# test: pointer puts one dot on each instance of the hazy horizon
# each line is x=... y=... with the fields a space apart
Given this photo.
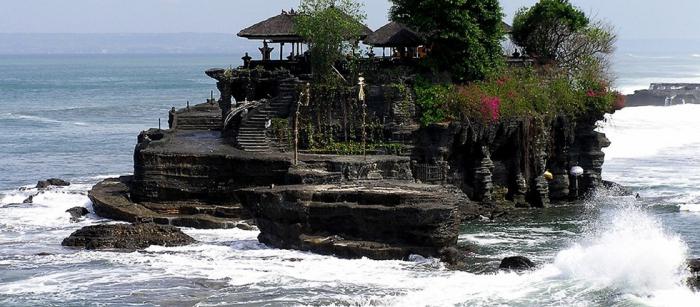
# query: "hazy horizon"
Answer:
x=209 y=26
x=646 y=19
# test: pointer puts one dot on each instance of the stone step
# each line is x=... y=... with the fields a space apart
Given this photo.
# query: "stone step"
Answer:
x=259 y=139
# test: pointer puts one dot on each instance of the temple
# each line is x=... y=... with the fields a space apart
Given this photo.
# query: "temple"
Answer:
x=347 y=169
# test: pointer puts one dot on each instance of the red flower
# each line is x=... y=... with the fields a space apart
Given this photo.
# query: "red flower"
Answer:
x=591 y=93
x=491 y=108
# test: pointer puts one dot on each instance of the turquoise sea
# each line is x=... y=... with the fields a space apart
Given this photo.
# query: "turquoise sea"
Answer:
x=77 y=117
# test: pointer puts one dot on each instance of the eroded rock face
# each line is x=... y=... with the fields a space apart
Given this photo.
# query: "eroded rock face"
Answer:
x=387 y=220
x=127 y=237
x=503 y=164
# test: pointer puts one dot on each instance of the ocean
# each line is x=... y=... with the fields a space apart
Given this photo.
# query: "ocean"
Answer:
x=77 y=117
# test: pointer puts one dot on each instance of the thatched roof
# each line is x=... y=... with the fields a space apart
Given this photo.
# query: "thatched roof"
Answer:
x=278 y=28
x=394 y=34
x=281 y=29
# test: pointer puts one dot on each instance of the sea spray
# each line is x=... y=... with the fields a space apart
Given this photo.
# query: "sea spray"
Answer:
x=626 y=249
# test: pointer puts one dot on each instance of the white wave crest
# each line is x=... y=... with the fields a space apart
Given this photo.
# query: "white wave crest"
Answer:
x=647 y=131
x=630 y=251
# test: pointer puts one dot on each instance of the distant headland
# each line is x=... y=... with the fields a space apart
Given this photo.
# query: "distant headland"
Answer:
x=665 y=94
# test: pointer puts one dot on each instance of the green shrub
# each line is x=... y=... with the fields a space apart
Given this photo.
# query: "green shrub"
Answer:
x=434 y=101
x=518 y=92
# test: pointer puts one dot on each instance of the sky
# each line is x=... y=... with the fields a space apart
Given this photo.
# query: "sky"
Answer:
x=633 y=19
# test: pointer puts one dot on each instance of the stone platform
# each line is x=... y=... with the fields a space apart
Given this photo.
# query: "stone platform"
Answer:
x=183 y=165
x=378 y=220
x=111 y=199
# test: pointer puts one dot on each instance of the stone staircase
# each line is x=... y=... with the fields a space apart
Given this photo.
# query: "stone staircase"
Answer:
x=252 y=133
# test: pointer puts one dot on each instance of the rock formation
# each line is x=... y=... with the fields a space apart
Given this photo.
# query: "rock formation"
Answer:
x=76 y=213
x=516 y=263
x=224 y=164
x=43 y=184
x=379 y=220
x=127 y=237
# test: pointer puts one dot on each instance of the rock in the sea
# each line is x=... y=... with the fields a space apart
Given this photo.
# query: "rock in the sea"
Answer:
x=694 y=280
x=517 y=263
x=127 y=236
x=29 y=200
x=43 y=184
x=377 y=220
x=77 y=212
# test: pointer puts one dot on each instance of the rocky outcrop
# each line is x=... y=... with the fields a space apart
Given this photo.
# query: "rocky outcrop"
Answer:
x=76 y=213
x=516 y=263
x=43 y=184
x=503 y=164
x=198 y=165
x=665 y=94
x=110 y=199
x=378 y=220
x=127 y=237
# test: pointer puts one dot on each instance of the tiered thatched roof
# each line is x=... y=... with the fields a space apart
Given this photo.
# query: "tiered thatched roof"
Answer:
x=394 y=34
x=281 y=29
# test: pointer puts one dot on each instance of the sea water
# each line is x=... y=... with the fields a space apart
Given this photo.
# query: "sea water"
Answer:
x=77 y=117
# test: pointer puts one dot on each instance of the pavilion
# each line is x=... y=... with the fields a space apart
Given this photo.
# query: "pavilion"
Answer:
x=394 y=35
x=280 y=30
x=277 y=29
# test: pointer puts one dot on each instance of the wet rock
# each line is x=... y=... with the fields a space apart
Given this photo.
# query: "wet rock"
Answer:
x=29 y=200
x=111 y=199
x=76 y=213
x=455 y=256
x=43 y=184
x=245 y=226
x=378 y=220
x=44 y=254
x=127 y=237
x=694 y=280
x=517 y=263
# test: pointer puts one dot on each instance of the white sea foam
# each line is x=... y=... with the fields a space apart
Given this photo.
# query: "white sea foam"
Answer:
x=30 y=118
x=629 y=250
x=647 y=131
x=690 y=207
x=48 y=207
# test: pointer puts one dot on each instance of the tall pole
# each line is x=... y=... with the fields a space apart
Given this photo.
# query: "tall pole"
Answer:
x=362 y=98
x=303 y=100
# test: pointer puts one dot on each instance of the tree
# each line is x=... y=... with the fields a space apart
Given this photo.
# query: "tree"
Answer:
x=464 y=35
x=330 y=27
x=545 y=27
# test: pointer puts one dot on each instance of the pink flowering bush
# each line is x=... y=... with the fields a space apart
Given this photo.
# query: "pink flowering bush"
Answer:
x=519 y=92
x=491 y=108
